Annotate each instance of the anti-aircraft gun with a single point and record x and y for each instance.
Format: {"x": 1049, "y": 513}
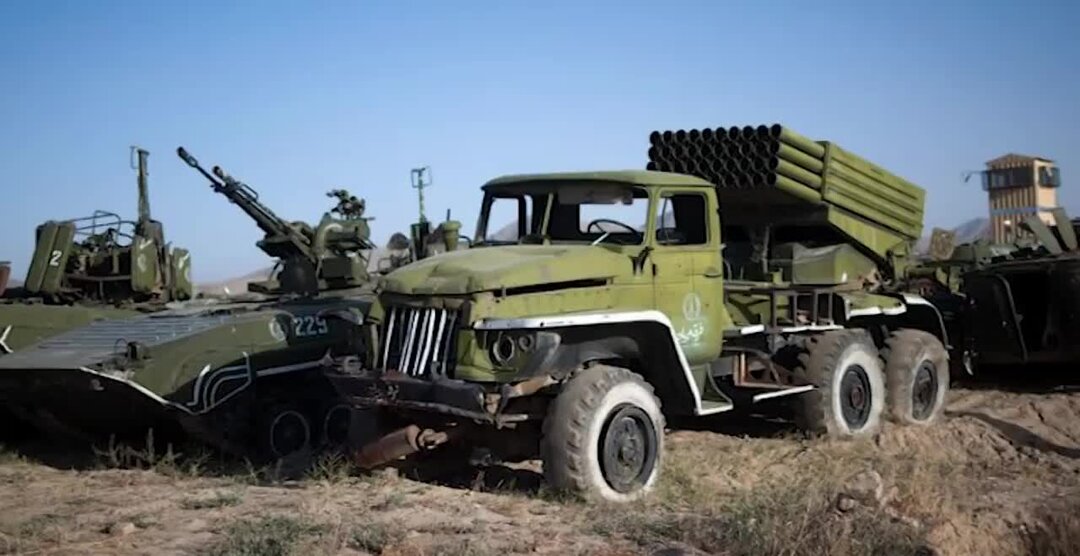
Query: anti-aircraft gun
{"x": 328, "y": 256}
{"x": 102, "y": 258}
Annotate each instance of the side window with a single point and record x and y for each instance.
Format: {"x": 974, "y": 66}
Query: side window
{"x": 508, "y": 219}
{"x": 682, "y": 220}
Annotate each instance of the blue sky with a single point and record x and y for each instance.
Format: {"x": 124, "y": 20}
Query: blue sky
{"x": 298, "y": 98}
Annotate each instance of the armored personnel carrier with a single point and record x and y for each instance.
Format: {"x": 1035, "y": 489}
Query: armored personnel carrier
{"x": 240, "y": 375}
{"x": 746, "y": 264}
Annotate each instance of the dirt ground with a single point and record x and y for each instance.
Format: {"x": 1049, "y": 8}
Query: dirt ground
{"x": 999, "y": 475}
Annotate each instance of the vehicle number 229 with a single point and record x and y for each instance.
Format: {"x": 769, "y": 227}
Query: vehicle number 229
{"x": 309, "y": 325}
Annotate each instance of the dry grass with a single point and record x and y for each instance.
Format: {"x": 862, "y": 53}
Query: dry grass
{"x": 217, "y": 500}
{"x": 1057, "y": 532}
{"x": 765, "y": 501}
{"x": 263, "y": 536}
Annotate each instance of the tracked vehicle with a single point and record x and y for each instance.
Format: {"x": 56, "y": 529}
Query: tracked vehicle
{"x": 92, "y": 268}
{"x": 240, "y": 375}
{"x": 744, "y": 265}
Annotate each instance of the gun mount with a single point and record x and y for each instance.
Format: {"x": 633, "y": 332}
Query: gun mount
{"x": 103, "y": 258}
{"x": 332, "y": 255}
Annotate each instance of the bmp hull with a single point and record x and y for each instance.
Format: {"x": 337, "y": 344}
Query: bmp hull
{"x": 85, "y": 404}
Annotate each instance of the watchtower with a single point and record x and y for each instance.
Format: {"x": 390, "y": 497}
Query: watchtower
{"x": 1018, "y": 185}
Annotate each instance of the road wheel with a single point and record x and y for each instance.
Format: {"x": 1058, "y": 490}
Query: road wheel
{"x": 916, "y": 376}
{"x": 334, "y": 425}
{"x": 603, "y": 436}
{"x": 284, "y": 430}
{"x": 845, "y": 367}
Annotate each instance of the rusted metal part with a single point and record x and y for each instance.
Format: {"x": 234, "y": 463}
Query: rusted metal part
{"x": 401, "y": 443}
{"x": 494, "y": 403}
{"x": 766, "y": 374}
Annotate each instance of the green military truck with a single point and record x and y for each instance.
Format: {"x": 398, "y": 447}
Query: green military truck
{"x": 747, "y": 265}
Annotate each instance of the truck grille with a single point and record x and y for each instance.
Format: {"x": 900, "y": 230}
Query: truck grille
{"x": 418, "y": 341}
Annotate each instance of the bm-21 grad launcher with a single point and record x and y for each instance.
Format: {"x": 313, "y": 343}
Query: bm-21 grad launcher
{"x": 241, "y": 375}
{"x": 746, "y": 264}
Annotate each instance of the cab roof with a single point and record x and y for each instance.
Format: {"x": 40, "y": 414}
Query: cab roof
{"x": 633, "y": 177}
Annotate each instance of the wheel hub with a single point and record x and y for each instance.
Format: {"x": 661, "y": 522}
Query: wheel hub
{"x": 855, "y": 396}
{"x": 924, "y": 391}
{"x": 628, "y": 448}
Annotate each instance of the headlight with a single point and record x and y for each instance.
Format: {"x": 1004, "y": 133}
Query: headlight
{"x": 509, "y": 349}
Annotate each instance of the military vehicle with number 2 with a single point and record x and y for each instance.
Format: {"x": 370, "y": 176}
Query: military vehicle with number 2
{"x": 767, "y": 269}
{"x": 243, "y": 376}
{"x": 94, "y": 267}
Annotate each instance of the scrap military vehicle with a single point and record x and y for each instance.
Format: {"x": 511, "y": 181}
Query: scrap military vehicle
{"x": 242, "y": 376}
{"x": 1008, "y": 305}
{"x": 767, "y": 267}
{"x": 94, "y": 267}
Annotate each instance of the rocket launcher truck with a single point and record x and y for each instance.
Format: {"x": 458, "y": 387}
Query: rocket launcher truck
{"x": 746, "y": 267}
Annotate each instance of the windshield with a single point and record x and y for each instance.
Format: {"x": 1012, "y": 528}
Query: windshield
{"x": 580, "y": 213}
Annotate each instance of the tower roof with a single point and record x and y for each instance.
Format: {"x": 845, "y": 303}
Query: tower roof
{"x": 1013, "y": 160}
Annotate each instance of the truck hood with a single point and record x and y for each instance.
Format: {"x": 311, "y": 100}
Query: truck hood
{"x": 510, "y": 266}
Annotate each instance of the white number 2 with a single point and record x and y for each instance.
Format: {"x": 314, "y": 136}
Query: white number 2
{"x": 54, "y": 258}
{"x": 310, "y": 325}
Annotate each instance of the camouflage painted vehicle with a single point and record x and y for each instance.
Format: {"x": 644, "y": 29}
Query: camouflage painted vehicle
{"x": 241, "y": 376}
{"x": 93, "y": 268}
{"x": 1008, "y": 305}
{"x": 576, "y": 340}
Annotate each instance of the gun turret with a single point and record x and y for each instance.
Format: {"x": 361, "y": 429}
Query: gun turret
{"x": 282, "y": 240}
{"x": 326, "y": 257}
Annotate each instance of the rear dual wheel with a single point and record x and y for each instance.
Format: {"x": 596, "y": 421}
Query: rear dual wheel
{"x": 916, "y": 376}
{"x": 849, "y": 399}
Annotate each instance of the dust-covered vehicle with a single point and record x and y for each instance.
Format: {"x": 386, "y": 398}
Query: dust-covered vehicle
{"x": 621, "y": 299}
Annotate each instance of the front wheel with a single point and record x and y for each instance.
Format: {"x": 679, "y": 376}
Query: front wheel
{"x": 603, "y": 436}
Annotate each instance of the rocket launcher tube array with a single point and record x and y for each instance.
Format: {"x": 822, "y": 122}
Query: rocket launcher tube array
{"x": 809, "y": 171}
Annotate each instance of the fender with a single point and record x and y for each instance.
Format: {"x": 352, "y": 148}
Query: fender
{"x": 667, "y": 342}
{"x": 916, "y": 312}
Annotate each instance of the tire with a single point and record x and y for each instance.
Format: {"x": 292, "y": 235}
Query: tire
{"x": 916, "y": 377}
{"x": 603, "y": 436}
{"x": 849, "y": 399}
{"x": 283, "y": 430}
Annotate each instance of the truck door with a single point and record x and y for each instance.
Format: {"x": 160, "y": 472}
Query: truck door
{"x": 687, "y": 277}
